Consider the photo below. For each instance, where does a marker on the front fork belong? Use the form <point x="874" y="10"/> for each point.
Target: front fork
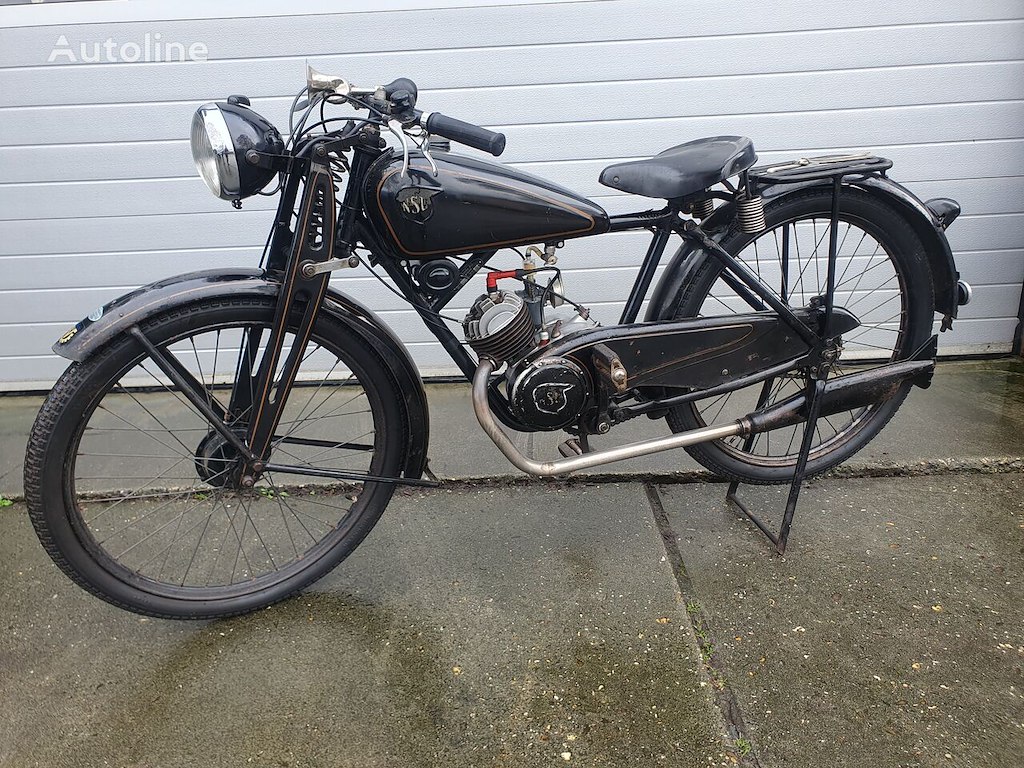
<point x="259" y="397"/>
<point x="268" y="362"/>
<point x="259" y="394"/>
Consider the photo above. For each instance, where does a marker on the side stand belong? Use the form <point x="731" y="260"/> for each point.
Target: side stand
<point x="815" y="384"/>
<point x="815" y="388"/>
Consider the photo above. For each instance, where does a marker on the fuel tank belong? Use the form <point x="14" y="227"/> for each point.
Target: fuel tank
<point x="470" y="205"/>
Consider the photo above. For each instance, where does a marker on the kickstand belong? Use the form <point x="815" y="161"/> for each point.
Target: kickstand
<point x="815" y="388"/>
<point x="815" y="385"/>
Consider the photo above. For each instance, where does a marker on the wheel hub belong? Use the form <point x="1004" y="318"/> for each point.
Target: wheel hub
<point x="218" y="462"/>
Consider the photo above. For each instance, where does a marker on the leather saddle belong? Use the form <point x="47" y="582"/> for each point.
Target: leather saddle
<point x="683" y="170"/>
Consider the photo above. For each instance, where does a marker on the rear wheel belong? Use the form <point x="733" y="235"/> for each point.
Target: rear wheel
<point x="131" y="491"/>
<point x="882" y="277"/>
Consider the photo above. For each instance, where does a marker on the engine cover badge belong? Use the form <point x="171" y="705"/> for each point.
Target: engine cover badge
<point x="550" y="393"/>
<point x="550" y="397"/>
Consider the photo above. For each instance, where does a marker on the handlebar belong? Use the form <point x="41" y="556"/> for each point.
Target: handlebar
<point x="464" y="133"/>
<point x="401" y="95"/>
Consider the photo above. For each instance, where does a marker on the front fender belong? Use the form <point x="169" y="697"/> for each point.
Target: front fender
<point x="923" y="219"/>
<point x="117" y="316"/>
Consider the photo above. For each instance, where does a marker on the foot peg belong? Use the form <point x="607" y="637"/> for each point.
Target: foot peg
<point x="570" y="448"/>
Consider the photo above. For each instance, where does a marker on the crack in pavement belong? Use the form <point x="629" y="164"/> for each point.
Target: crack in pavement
<point x="722" y="693"/>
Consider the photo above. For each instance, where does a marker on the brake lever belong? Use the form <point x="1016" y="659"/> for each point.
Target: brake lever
<point x="425" y="149"/>
<point x="405" y="144"/>
<point x="422" y="140"/>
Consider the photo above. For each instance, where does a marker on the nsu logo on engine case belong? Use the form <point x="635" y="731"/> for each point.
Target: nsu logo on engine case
<point x="551" y="398"/>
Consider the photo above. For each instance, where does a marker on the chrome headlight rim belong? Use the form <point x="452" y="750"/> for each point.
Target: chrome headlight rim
<point x="213" y="150"/>
<point x="222" y="136"/>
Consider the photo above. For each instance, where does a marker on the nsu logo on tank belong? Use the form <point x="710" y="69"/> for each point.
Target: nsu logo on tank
<point x="417" y="203"/>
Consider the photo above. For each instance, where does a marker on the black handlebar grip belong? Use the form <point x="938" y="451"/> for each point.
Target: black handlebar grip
<point x="401" y="84"/>
<point x="466" y="133"/>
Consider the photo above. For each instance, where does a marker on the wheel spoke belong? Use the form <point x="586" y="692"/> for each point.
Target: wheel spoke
<point x="148" y="433"/>
<point x="192" y="560"/>
<point x="133" y="496"/>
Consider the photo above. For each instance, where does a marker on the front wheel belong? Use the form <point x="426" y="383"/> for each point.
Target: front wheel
<point x="882" y="277"/>
<point x="130" y="490"/>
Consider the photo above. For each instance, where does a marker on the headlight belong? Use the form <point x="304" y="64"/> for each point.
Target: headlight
<point x="221" y="135"/>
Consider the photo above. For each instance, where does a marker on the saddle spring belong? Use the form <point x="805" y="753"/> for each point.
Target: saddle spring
<point x="750" y="215"/>
<point x="703" y="209"/>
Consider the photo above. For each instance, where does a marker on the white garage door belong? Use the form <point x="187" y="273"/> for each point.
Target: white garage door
<point x="98" y="193"/>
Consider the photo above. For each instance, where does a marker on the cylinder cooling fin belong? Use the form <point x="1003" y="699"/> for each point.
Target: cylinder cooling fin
<point x="499" y="326"/>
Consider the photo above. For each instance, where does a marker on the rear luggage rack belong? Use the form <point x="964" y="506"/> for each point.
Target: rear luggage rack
<point x="823" y="167"/>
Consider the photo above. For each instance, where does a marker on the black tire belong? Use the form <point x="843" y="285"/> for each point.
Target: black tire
<point x="891" y="293"/>
<point x="111" y="470"/>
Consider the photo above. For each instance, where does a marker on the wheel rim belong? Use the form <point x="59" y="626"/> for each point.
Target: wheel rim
<point x="868" y="283"/>
<point x="173" y="532"/>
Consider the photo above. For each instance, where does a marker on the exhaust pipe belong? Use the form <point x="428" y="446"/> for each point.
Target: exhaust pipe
<point x="843" y="393"/>
<point x="569" y="464"/>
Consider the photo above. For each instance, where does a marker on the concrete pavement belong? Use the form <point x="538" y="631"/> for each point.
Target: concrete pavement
<point x="527" y="627"/>
<point x="891" y="634"/>
<point x="628" y="619"/>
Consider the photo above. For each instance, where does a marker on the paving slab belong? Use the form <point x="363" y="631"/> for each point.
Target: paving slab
<point x="891" y="634"/>
<point x="16" y="417"/>
<point x="973" y="414"/>
<point x="520" y="627"/>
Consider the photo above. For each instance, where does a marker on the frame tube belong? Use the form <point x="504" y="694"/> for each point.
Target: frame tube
<point x="646" y="274"/>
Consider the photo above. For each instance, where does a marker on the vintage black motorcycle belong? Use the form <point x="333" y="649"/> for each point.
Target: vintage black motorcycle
<point x="224" y="438"/>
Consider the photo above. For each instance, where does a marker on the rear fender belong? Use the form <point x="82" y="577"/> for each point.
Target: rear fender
<point x="926" y="223"/>
<point x="116" y="317"/>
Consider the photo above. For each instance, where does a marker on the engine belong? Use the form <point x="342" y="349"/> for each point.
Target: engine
<point x="548" y="393"/>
